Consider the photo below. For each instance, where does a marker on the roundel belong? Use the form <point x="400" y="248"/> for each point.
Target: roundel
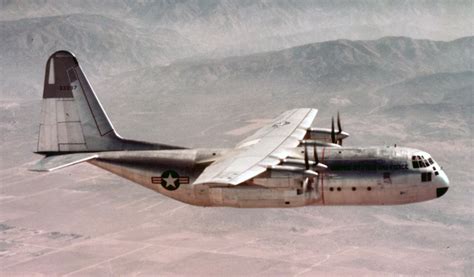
<point x="170" y="180"/>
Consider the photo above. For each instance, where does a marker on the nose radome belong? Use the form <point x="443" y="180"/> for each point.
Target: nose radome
<point x="444" y="179"/>
<point x="441" y="191"/>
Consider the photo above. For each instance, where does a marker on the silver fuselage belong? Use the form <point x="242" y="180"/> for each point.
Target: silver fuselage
<point x="355" y="176"/>
<point x="277" y="166"/>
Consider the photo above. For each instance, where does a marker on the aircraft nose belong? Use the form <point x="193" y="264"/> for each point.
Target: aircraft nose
<point x="444" y="179"/>
<point x="444" y="182"/>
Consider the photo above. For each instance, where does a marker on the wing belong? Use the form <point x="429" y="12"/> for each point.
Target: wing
<point x="266" y="148"/>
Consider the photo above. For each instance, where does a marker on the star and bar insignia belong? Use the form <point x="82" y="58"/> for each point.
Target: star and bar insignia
<point x="170" y="180"/>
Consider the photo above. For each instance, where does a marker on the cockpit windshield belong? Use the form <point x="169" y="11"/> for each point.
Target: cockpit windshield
<point x="419" y="161"/>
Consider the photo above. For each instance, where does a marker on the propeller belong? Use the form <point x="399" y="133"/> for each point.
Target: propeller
<point x="308" y="172"/>
<point x="306" y="161"/>
<point x="339" y="128"/>
<point x="318" y="166"/>
<point x="333" y="132"/>
<point x="315" y="154"/>
<point x="305" y="184"/>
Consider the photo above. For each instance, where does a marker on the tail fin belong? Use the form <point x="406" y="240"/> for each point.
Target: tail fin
<point x="72" y="118"/>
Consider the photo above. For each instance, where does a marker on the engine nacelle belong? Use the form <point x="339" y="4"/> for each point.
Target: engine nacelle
<point x="323" y="134"/>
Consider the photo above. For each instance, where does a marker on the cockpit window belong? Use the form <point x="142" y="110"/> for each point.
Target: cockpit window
<point x="421" y="162"/>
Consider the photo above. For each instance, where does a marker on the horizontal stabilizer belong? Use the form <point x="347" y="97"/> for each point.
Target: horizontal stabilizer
<point x="60" y="161"/>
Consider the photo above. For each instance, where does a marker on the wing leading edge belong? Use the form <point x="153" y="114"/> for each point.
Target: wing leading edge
<point x="266" y="148"/>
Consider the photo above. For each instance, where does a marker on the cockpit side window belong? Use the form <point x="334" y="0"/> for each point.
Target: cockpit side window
<point x="426" y="177"/>
<point x="415" y="162"/>
<point x="431" y="161"/>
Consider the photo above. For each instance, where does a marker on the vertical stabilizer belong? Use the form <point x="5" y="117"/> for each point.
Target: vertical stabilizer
<point x="72" y="118"/>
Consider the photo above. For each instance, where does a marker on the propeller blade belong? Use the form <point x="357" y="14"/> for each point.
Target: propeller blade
<point x="311" y="173"/>
<point x="333" y="133"/>
<point x="315" y="153"/>
<point x="305" y="184"/>
<point x="339" y="128"/>
<point x="306" y="161"/>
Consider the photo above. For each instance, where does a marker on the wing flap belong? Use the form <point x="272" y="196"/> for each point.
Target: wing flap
<point x="266" y="148"/>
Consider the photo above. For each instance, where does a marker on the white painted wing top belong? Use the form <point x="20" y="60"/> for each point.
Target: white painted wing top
<point x="267" y="147"/>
